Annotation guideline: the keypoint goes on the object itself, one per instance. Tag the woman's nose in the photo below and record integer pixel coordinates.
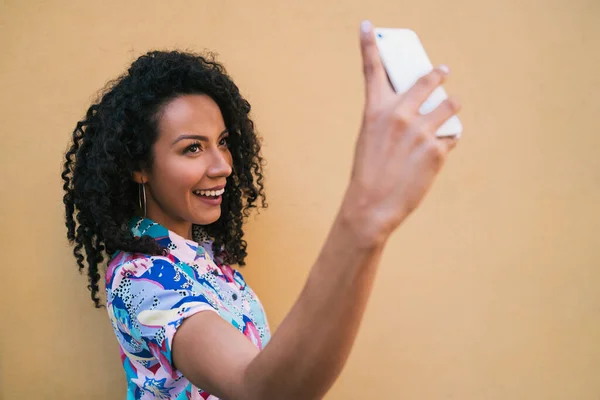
(220, 163)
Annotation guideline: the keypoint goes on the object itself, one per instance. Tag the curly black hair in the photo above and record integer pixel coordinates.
(115, 139)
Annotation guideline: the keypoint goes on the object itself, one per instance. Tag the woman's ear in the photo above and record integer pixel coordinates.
(140, 177)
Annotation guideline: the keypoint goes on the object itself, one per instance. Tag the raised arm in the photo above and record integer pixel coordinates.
(396, 160)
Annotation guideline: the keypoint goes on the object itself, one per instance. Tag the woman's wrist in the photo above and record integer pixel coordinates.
(365, 226)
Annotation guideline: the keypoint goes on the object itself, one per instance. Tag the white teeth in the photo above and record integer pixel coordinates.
(212, 193)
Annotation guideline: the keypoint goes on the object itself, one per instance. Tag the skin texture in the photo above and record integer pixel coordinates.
(396, 160)
(191, 153)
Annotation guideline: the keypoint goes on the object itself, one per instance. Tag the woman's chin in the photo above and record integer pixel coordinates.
(206, 218)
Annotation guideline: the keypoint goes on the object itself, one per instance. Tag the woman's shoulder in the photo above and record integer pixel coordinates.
(126, 264)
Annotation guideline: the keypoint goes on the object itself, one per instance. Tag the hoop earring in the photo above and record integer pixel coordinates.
(142, 198)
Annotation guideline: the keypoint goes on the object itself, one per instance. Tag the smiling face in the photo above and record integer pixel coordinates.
(192, 161)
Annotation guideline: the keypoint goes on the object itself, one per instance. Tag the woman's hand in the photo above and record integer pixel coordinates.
(397, 153)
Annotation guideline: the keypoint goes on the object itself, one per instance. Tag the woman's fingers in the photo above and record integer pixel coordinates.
(448, 143)
(376, 81)
(436, 118)
(422, 89)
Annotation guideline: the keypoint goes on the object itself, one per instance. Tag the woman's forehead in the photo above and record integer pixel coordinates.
(191, 114)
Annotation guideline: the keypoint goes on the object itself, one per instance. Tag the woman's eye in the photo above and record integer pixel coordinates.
(224, 142)
(194, 148)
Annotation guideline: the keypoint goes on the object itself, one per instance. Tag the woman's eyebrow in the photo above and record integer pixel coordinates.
(197, 137)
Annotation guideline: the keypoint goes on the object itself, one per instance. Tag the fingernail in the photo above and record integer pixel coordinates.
(444, 68)
(366, 26)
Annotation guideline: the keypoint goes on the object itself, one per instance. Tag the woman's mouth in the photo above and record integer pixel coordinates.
(209, 193)
(211, 197)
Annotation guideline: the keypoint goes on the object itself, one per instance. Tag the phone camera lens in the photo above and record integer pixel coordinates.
(379, 35)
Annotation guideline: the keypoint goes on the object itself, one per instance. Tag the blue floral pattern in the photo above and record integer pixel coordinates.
(148, 297)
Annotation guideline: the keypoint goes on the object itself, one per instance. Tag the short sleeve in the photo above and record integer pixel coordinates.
(148, 300)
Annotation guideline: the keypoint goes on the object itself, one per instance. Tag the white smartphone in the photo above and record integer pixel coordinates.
(405, 61)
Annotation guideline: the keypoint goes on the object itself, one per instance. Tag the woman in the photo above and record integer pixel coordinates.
(160, 175)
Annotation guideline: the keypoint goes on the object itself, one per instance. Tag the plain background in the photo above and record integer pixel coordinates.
(491, 290)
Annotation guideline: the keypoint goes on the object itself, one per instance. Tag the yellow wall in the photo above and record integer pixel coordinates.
(490, 291)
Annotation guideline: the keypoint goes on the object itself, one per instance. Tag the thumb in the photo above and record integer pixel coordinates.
(373, 70)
